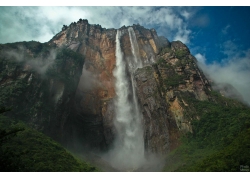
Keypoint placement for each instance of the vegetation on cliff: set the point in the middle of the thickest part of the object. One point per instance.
(214, 130)
(23, 149)
(36, 82)
(220, 138)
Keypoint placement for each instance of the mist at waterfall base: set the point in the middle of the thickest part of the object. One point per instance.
(127, 153)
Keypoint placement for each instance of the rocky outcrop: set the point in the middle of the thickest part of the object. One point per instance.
(178, 72)
(161, 88)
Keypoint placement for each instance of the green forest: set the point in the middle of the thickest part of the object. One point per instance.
(220, 140)
(23, 149)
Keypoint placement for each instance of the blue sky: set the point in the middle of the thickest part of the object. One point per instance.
(217, 36)
(222, 28)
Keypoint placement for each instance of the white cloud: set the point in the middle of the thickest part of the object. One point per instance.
(230, 49)
(183, 36)
(225, 29)
(234, 70)
(200, 21)
(200, 58)
(42, 23)
(185, 14)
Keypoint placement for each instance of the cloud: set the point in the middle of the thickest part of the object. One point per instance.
(183, 36)
(185, 14)
(225, 29)
(200, 58)
(200, 21)
(230, 49)
(39, 64)
(234, 70)
(88, 80)
(42, 23)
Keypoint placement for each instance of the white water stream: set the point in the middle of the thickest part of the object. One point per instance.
(128, 152)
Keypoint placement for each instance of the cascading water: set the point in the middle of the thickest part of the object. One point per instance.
(137, 63)
(128, 152)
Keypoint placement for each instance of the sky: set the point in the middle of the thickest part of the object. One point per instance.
(218, 36)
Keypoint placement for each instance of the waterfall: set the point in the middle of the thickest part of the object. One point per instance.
(137, 63)
(128, 152)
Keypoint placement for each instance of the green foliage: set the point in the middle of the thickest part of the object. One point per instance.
(35, 98)
(220, 138)
(4, 109)
(165, 50)
(180, 53)
(65, 53)
(174, 80)
(12, 91)
(34, 46)
(229, 158)
(161, 61)
(226, 159)
(62, 68)
(30, 150)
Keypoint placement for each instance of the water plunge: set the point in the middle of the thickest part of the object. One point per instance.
(128, 152)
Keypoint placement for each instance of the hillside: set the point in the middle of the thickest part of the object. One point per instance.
(23, 149)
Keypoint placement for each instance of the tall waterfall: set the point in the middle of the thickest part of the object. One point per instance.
(137, 63)
(128, 152)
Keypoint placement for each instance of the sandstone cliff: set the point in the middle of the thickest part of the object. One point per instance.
(168, 72)
(95, 93)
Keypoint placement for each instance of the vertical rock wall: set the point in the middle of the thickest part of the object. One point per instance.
(166, 70)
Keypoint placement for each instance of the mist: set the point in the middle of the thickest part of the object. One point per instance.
(39, 64)
(234, 70)
(88, 80)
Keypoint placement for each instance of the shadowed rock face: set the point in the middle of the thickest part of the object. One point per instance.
(156, 125)
(38, 82)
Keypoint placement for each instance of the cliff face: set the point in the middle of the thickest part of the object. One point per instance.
(80, 98)
(162, 89)
(95, 93)
(38, 82)
(168, 71)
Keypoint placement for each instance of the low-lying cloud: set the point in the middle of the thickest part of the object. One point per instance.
(88, 80)
(235, 70)
(39, 64)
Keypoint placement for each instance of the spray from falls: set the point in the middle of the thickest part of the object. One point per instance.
(128, 152)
